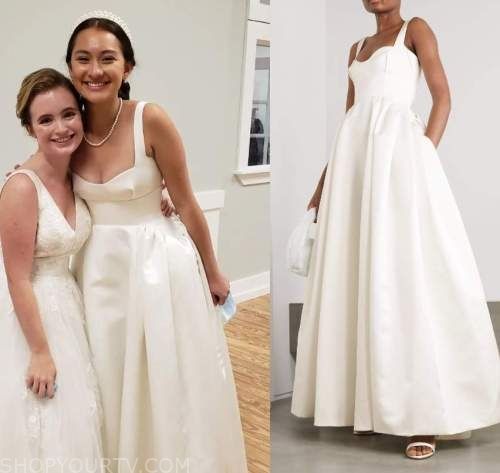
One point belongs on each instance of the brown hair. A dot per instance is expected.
(115, 29)
(37, 83)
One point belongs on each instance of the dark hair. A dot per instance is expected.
(112, 27)
(37, 83)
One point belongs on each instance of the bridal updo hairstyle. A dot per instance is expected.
(36, 83)
(112, 27)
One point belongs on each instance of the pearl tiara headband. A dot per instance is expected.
(106, 15)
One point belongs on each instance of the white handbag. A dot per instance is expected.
(298, 251)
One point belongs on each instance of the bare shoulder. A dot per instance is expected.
(159, 129)
(155, 116)
(418, 28)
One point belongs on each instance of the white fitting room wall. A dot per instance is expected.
(189, 55)
(298, 124)
(323, 33)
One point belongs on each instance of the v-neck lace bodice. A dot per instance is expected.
(33, 430)
(56, 240)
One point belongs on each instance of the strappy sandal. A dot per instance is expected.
(420, 444)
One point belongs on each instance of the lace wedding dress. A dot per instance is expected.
(62, 433)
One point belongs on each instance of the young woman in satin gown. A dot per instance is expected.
(50, 415)
(149, 283)
(395, 334)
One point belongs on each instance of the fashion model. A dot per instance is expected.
(395, 334)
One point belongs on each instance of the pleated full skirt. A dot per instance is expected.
(395, 333)
(159, 350)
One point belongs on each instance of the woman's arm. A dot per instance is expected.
(316, 198)
(350, 86)
(168, 151)
(18, 223)
(425, 45)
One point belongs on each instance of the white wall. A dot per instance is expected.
(189, 55)
(298, 128)
(468, 150)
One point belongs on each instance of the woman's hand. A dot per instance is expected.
(314, 202)
(41, 375)
(164, 141)
(167, 206)
(316, 198)
(18, 224)
(219, 288)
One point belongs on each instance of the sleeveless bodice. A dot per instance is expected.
(55, 240)
(391, 256)
(131, 197)
(157, 341)
(391, 72)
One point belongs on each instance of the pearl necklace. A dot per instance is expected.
(110, 132)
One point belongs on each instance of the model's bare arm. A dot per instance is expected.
(425, 45)
(168, 151)
(350, 84)
(18, 224)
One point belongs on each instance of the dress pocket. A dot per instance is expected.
(429, 142)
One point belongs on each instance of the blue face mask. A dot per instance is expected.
(228, 309)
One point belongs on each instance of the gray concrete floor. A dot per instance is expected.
(298, 446)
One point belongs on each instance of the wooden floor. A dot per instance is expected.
(248, 335)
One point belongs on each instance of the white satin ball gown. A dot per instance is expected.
(158, 343)
(395, 335)
(64, 431)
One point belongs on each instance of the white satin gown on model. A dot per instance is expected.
(158, 343)
(395, 333)
(63, 432)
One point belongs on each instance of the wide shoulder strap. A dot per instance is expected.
(400, 39)
(31, 174)
(359, 46)
(139, 145)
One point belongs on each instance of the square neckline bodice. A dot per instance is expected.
(140, 180)
(139, 106)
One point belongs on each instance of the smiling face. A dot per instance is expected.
(381, 6)
(97, 66)
(55, 122)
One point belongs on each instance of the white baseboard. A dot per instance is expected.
(277, 397)
(251, 286)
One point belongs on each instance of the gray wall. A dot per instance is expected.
(189, 55)
(298, 124)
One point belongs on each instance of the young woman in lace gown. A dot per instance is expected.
(50, 412)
